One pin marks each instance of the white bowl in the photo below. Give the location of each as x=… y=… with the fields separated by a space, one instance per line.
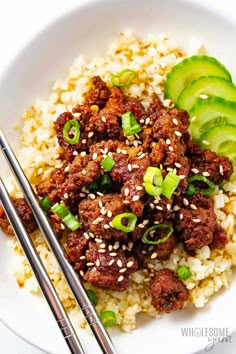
x=88 y=30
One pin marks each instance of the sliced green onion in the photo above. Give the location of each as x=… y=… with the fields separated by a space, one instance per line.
x=75 y=127
x=93 y=185
x=66 y=216
x=92 y=296
x=117 y=222
x=123 y=79
x=45 y=203
x=184 y=273
x=170 y=184
x=108 y=163
x=129 y=124
x=105 y=181
x=161 y=240
x=153 y=181
x=193 y=189
x=108 y=318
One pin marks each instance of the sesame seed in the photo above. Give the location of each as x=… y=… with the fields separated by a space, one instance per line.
x=130 y=244
x=75 y=153
x=154 y=255
x=97 y=221
x=116 y=245
x=203 y=97
x=169 y=169
x=67 y=168
x=130 y=264
x=113 y=254
x=110 y=223
x=82 y=195
x=221 y=170
x=186 y=202
x=100 y=204
x=181 y=216
x=81 y=272
x=106 y=226
x=168 y=206
x=145 y=222
x=176 y=208
x=110 y=247
x=141 y=156
x=158 y=207
x=84 y=141
x=82 y=257
x=84 y=172
x=139 y=188
x=124 y=152
x=90 y=264
x=86 y=235
x=141 y=226
x=152 y=206
x=126 y=192
x=129 y=167
x=171 y=148
x=111 y=262
x=92 y=196
x=195 y=170
x=135 y=198
x=193 y=206
x=95 y=155
x=206 y=174
x=66 y=196
x=97 y=262
x=90 y=134
x=168 y=142
x=196 y=220
x=151 y=266
x=177 y=133
x=106 y=150
x=124 y=247
x=98 y=240
x=122 y=270
x=102 y=245
x=104 y=119
x=205 y=142
x=118 y=150
x=182 y=176
x=63 y=227
x=109 y=213
x=135 y=166
x=99 y=193
x=120 y=278
x=119 y=263
x=101 y=250
x=141 y=121
x=174 y=120
x=103 y=211
x=147 y=121
x=193 y=119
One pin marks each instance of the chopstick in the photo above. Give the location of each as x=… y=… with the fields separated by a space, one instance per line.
x=71 y=276
x=40 y=273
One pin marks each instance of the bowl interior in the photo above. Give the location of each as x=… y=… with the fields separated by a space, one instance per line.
x=88 y=30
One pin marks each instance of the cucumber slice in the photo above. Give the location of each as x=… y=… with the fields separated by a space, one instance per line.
x=211 y=112
x=191 y=69
x=222 y=140
x=209 y=86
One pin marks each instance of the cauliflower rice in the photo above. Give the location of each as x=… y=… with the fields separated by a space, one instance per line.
x=151 y=59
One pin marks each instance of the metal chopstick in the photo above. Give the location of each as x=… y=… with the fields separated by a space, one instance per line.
x=41 y=275
x=71 y=276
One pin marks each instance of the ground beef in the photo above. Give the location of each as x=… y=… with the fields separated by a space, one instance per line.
x=111 y=268
x=218 y=168
x=168 y=292
x=196 y=221
x=99 y=94
x=25 y=214
x=76 y=246
x=96 y=215
x=219 y=238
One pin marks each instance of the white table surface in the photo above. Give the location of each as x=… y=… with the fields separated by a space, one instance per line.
x=19 y=22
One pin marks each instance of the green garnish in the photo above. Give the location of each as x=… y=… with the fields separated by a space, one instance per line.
x=71 y=127
x=124 y=78
x=130 y=217
x=155 y=227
